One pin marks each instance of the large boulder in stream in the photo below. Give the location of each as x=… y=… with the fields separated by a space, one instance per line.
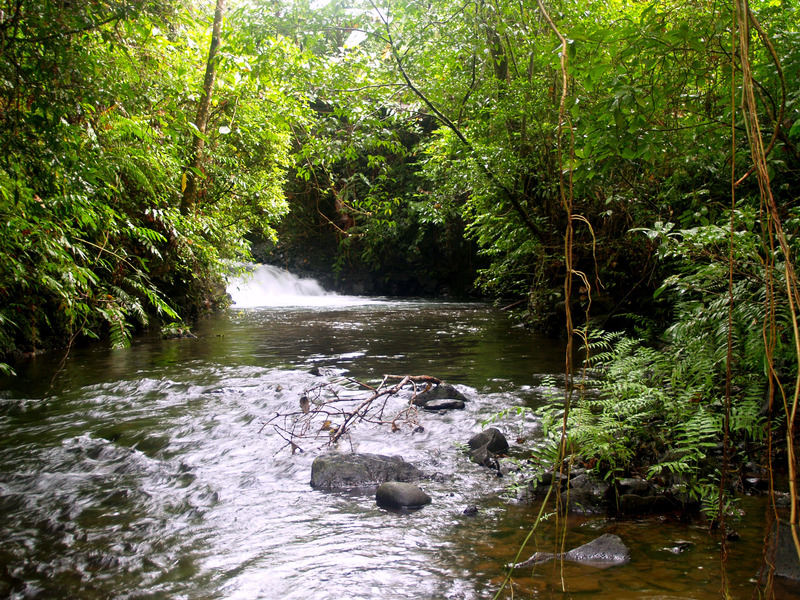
x=336 y=471
x=606 y=551
x=396 y=494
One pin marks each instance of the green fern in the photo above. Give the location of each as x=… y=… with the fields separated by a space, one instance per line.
x=661 y=411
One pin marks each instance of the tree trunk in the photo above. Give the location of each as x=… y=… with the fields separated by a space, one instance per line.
x=203 y=110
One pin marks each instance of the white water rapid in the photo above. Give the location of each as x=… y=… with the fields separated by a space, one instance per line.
x=266 y=285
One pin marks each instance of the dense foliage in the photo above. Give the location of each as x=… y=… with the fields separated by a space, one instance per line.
x=96 y=108
x=628 y=166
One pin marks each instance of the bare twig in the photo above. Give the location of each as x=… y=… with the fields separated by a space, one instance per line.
x=325 y=411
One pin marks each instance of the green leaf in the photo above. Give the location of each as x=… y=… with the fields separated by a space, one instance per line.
x=196 y=131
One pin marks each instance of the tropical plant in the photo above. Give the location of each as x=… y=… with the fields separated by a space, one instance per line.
x=95 y=125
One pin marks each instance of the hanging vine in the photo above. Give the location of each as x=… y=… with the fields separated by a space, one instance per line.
x=775 y=240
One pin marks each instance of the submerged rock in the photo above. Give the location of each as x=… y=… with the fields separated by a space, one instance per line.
x=680 y=547
x=321 y=371
x=395 y=494
x=337 y=471
x=605 y=551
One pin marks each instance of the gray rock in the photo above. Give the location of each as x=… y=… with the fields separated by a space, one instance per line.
x=321 y=371
x=632 y=485
x=634 y=504
x=483 y=457
x=491 y=439
x=586 y=495
x=580 y=482
x=336 y=471
x=680 y=547
x=485 y=446
x=605 y=551
x=581 y=494
x=438 y=405
x=783 y=553
x=442 y=391
x=540 y=488
x=395 y=494
x=608 y=548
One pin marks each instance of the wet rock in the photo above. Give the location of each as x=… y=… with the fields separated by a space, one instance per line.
x=485 y=458
x=679 y=496
x=470 y=511
x=442 y=391
x=605 y=551
x=395 y=494
x=782 y=552
x=608 y=548
x=581 y=492
x=634 y=504
x=320 y=371
x=540 y=488
x=485 y=446
x=680 y=547
x=491 y=439
x=585 y=495
x=336 y=471
x=178 y=334
x=439 y=405
x=632 y=485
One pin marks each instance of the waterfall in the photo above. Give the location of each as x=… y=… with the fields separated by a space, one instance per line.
x=265 y=285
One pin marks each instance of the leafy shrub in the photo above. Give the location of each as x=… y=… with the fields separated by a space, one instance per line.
x=657 y=408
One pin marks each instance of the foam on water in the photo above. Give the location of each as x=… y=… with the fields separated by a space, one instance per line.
x=266 y=285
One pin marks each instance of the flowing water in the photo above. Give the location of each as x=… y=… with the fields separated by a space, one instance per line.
x=149 y=472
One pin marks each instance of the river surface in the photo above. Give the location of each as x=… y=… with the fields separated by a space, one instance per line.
x=149 y=472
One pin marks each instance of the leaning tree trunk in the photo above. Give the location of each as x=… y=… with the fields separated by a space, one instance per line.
x=190 y=176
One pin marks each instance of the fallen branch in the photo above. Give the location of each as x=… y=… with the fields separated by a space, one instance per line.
x=330 y=409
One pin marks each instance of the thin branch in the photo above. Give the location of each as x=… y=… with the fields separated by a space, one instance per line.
x=323 y=412
x=490 y=175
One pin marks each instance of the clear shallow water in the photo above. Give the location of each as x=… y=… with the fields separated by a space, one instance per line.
x=147 y=472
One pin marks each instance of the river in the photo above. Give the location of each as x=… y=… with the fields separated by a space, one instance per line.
x=148 y=472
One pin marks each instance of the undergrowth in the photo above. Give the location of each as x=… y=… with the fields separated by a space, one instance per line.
x=654 y=405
